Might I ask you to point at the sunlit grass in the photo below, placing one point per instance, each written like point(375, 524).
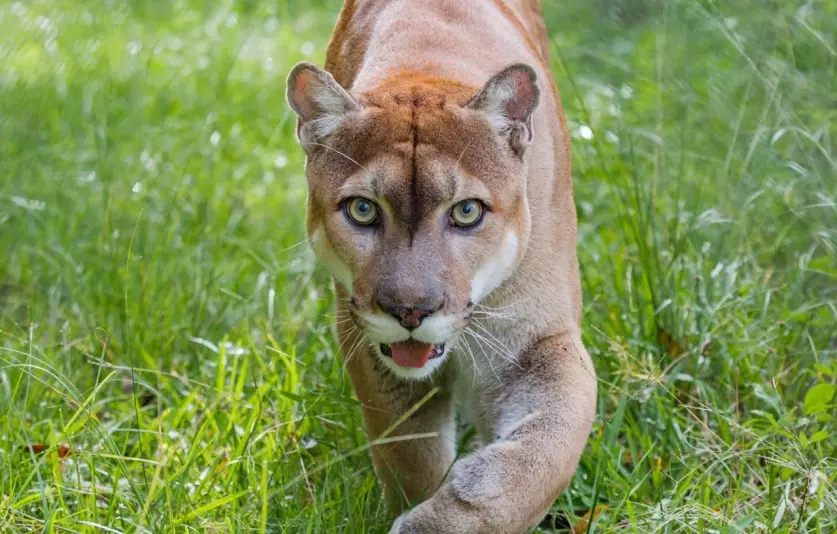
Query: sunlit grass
point(166, 359)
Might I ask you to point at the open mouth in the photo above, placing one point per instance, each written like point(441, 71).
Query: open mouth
point(412, 353)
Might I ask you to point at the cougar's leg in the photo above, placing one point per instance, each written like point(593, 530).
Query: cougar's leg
point(409, 470)
point(542, 418)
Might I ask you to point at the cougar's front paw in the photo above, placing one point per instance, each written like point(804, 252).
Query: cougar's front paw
point(442, 514)
point(419, 523)
point(420, 520)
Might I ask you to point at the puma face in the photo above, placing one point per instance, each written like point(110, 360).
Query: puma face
point(417, 201)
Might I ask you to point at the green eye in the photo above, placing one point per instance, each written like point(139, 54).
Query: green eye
point(467, 213)
point(361, 211)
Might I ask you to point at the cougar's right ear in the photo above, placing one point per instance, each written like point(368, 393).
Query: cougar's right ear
point(320, 103)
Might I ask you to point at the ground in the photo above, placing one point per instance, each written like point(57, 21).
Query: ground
point(166, 360)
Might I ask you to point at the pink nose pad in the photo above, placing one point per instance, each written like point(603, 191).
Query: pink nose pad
point(413, 317)
point(409, 317)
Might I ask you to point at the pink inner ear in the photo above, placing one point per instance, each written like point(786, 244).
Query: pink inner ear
point(518, 107)
point(301, 87)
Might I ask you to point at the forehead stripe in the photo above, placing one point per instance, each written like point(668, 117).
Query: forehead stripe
point(414, 215)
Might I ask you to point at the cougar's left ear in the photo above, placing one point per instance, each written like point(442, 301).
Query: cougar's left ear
point(320, 103)
point(509, 98)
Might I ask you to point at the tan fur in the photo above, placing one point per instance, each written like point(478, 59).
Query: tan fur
point(410, 121)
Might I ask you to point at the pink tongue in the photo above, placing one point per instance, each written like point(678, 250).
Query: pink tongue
point(411, 353)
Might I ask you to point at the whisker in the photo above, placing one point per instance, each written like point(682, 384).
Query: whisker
point(502, 352)
point(463, 151)
point(336, 313)
point(507, 306)
point(348, 357)
point(496, 342)
point(494, 338)
point(487, 358)
point(489, 311)
point(361, 340)
point(304, 241)
point(491, 315)
point(357, 350)
point(349, 334)
point(485, 342)
point(337, 152)
point(473, 360)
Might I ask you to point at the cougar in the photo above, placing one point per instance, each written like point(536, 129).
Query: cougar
point(441, 202)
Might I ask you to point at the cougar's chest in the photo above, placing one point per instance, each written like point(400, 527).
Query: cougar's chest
point(483, 364)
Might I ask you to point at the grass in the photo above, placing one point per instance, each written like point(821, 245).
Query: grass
point(166, 361)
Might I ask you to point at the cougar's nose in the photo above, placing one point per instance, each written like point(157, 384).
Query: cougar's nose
point(409, 317)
